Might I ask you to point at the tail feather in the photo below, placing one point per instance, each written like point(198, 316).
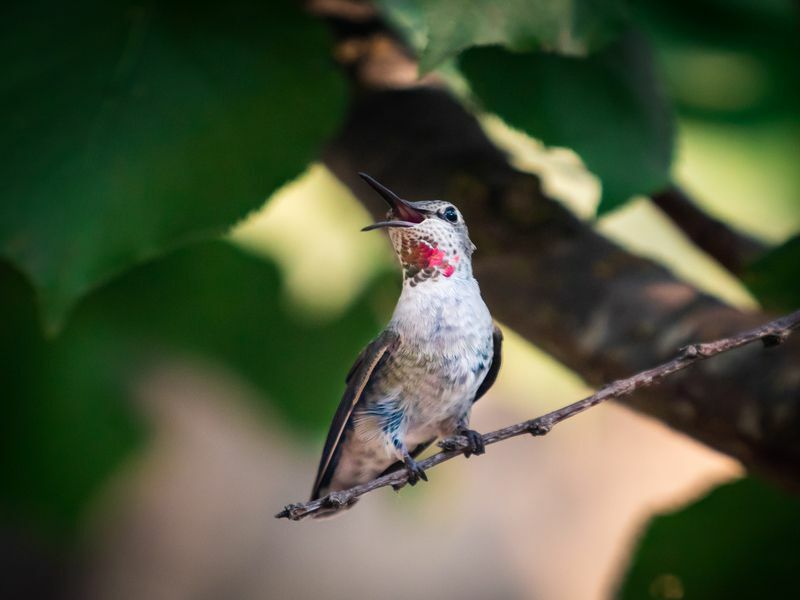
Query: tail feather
point(321, 492)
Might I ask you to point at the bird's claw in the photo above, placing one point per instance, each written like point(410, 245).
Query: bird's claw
point(475, 440)
point(415, 472)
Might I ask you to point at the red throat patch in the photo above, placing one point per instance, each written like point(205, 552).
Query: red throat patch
point(422, 256)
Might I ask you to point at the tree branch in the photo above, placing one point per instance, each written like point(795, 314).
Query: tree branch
point(771, 334)
point(730, 248)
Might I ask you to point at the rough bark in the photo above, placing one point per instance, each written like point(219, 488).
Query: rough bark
point(596, 307)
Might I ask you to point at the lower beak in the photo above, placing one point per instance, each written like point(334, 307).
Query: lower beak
point(407, 215)
point(381, 224)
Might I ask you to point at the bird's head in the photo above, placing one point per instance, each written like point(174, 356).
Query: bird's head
point(429, 237)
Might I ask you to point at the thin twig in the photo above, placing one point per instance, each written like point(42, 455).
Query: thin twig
point(771, 334)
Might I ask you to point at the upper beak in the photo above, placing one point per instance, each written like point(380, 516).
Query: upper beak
point(407, 215)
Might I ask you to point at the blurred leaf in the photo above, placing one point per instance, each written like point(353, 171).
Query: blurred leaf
point(608, 107)
point(775, 278)
point(743, 68)
point(440, 29)
point(130, 128)
point(736, 87)
point(67, 421)
point(64, 426)
point(740, 541)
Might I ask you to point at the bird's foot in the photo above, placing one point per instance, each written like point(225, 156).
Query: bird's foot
point(475, 441)
point(415, 472)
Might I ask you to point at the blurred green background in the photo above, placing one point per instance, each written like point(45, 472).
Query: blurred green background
point(183, 287)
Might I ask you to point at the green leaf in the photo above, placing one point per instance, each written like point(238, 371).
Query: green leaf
point(608, 107)
point(65, 425)
point(744, 69)
point(68, 422)
point(131, 128)
point(740, 541)
point(440, 29)
point(775, 278)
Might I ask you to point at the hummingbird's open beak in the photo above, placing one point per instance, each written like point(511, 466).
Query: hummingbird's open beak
point(407, 215)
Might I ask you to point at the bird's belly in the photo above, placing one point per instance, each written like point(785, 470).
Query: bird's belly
point(435, 400)
point(446, 351)
point(423, 398)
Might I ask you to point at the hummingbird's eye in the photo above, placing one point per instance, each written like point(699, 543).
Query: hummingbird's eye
point(450, 214)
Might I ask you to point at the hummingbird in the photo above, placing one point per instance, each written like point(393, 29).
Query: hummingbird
point(439, 353)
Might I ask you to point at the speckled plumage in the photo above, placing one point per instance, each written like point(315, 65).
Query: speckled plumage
point(419, 379)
